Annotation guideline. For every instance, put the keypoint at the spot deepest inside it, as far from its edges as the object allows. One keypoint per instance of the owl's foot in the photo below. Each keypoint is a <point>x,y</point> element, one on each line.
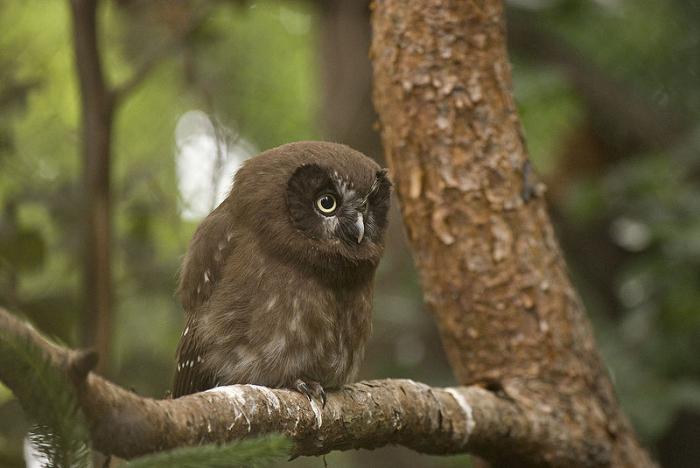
<point>311,389</point>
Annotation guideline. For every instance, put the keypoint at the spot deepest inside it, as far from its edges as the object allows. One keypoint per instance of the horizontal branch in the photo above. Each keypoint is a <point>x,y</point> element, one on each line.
<point>362,415</point>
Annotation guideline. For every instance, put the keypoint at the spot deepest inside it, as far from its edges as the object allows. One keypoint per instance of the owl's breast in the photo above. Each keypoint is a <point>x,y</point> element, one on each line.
<point>295,326</point>
<point>316,332</point>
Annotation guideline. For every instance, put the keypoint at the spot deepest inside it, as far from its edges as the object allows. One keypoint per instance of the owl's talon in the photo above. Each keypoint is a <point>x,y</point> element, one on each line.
<point>312,390</point>
<point>301,387</point>
<point>319,392</point>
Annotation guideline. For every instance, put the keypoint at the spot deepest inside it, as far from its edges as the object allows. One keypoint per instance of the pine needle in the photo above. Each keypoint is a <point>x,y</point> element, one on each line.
<point>248,453</point>
<point>60,432</point>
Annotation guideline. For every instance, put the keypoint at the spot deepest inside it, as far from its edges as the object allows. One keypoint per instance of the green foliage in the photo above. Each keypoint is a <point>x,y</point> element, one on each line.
<point>548,109</point>
<point>266,83</point>
<point>60,432</point>
<point>249,453</point>
<point>5,394</point>
<point>24,250</point>
<point>641,203</point>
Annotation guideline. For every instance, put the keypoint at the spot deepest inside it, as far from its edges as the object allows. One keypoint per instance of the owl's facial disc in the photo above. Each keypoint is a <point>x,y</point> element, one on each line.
<point>342,213</point>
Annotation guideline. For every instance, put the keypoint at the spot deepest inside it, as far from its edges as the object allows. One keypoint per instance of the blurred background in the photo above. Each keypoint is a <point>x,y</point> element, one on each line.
<point>609,95</point>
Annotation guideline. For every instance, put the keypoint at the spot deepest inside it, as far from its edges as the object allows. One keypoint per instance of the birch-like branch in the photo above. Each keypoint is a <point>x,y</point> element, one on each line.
<point>362,415</point>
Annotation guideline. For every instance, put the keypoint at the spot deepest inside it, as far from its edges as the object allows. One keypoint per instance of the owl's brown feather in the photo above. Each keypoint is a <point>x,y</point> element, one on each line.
<point>208,251</point>
<point>274,290</point>
<point>190,376</point>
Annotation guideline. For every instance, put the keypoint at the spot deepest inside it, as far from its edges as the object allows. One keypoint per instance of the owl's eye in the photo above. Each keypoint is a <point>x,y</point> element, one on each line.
<point>326,204</point>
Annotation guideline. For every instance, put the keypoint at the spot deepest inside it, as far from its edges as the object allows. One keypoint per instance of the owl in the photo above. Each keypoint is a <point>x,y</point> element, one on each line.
<point>277,281</point>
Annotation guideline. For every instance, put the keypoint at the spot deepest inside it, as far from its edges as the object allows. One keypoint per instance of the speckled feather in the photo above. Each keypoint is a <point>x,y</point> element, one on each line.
<point>273,290</point>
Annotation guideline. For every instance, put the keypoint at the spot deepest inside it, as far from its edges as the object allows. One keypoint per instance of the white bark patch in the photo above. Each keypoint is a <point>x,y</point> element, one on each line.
<point>415,185</point>
<point>474,88</point>
<point>237,396</point>
<point>468,414</point>
<point>440,226</point>
<point>270,397</point>
<point>317,413</point>
<point>502,239</point>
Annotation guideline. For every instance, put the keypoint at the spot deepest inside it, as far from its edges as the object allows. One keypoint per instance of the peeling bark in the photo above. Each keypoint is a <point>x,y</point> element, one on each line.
<point>490,265</point>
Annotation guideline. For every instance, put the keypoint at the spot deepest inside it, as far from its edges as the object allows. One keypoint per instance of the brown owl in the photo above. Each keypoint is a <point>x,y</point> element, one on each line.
<point>277,280</point>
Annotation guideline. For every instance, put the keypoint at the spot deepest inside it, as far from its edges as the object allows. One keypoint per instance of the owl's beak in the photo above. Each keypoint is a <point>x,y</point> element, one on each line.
<point>360,225</point>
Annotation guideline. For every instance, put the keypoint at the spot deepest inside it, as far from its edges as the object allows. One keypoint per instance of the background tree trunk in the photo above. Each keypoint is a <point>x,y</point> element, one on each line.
<point>97,113</point>
<point>490,265</point>
<point>99,103</point>
<point>347,114</point>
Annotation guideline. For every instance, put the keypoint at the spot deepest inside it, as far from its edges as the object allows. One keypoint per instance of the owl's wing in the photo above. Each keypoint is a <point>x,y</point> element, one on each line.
<point>190,375</point>
<point>211,245</point>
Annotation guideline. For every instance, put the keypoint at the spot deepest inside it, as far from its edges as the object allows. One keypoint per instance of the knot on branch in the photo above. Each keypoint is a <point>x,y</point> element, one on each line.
<point>80,363</point>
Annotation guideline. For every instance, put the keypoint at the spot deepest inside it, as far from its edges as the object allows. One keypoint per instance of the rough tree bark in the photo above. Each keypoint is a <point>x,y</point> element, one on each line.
<point>491,268</point>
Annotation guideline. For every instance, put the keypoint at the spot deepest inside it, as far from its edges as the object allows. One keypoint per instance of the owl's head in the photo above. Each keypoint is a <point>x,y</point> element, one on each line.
<point>319,201</point>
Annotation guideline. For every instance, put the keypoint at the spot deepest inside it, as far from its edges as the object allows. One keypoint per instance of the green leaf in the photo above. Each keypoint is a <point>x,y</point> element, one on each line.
<point>5,394</point>
<point>25,251</point>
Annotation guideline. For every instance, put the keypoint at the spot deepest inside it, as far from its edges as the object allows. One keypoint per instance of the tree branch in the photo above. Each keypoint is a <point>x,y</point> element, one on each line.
<point>362,415</point>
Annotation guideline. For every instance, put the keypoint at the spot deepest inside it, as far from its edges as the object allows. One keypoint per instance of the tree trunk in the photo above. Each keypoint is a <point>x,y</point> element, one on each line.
<point>347,114</point>
<point>491,268</point>
<point>97,112</point>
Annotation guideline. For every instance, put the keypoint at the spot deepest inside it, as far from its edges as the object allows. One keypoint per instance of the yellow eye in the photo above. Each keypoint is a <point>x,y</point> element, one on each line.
<point>326,204</point>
